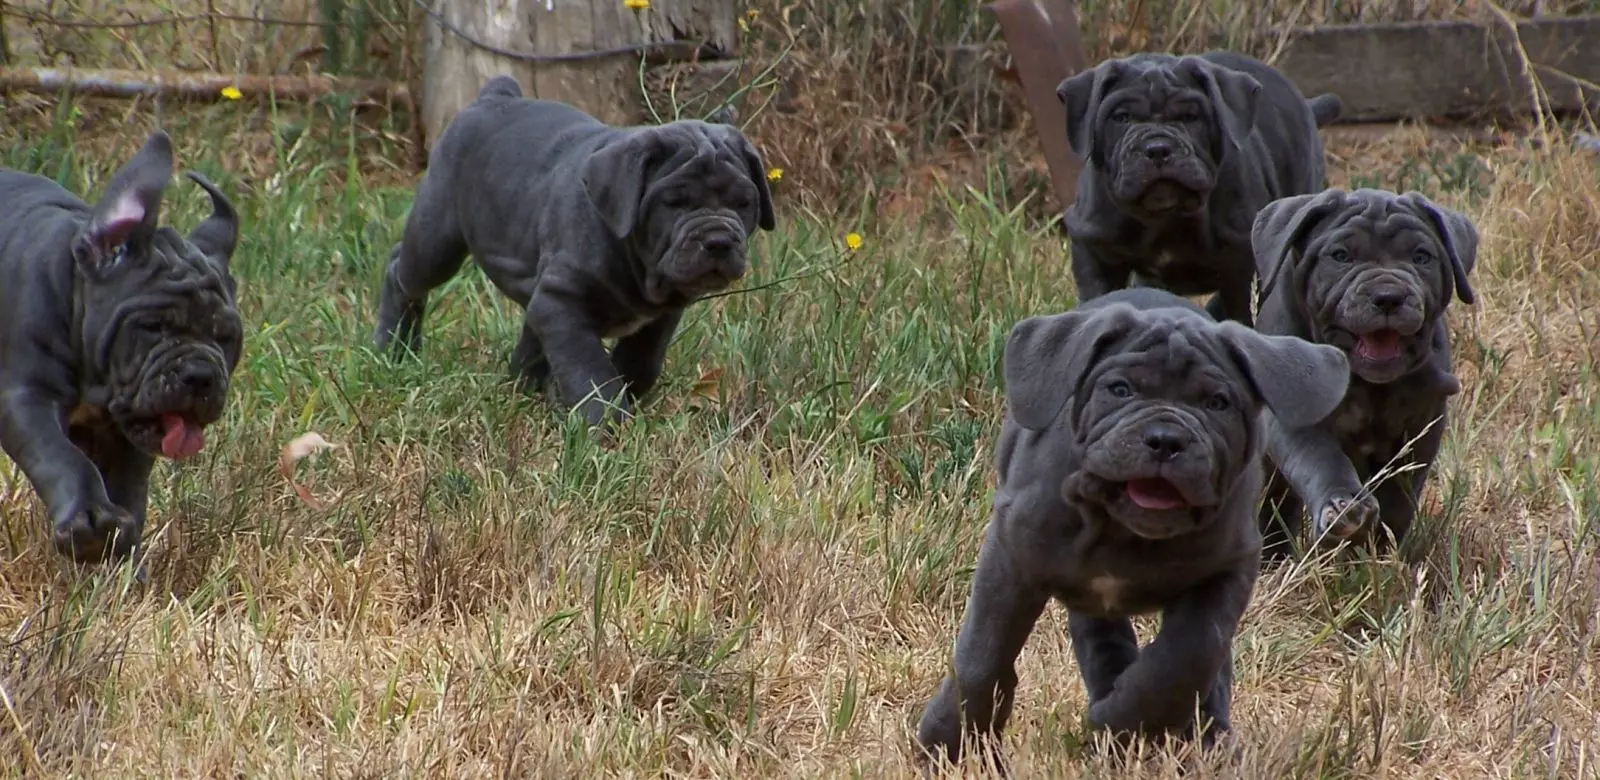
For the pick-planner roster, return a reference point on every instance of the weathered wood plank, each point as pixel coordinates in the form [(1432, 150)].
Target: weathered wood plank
[(1435, 70), (604, 86)]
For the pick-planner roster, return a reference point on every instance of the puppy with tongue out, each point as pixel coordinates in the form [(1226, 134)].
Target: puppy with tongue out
[(1129, 468), (118, 337), (1371, 272)]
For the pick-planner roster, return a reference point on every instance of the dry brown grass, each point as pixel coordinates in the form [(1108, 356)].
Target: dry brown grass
[(758, 582)]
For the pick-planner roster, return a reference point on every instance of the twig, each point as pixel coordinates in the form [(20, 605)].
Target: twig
[(194, 86), (55, 21)]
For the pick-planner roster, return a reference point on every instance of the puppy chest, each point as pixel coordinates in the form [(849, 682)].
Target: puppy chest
[(1111, 594)]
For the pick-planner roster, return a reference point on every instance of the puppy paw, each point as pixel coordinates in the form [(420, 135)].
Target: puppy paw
[(1344, 515), (98, 533)]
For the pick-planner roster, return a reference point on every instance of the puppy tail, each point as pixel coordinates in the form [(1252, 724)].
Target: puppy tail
[(501, 86), (1325, 108)]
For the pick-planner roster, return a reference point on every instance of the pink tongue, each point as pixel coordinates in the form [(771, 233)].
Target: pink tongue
[(1379, 345), (1155, 494), (181, 440)]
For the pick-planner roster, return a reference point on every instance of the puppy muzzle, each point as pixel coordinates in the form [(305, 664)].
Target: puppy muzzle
[(1155, 471), (165, 411), (1160, 172), (707, 254), (1384, 313)]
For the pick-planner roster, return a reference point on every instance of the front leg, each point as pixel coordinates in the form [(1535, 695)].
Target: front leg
[(1311, 461), (1093, 274), (1186, 662), (583, 372), (639, 357), (1232, 301), (1400, 495), (976, 701), (1104, 647), (82, 517)]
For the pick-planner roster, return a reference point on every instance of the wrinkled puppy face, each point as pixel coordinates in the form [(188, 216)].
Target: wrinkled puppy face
[(1163, 405), (161, 334), (687, 196), (1166, 430), (1159, 127), (1374, 272)]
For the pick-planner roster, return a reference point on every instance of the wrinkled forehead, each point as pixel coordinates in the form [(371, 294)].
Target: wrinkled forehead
[(1176, 347), (1156, 81), (703, 155), (1382, 216)]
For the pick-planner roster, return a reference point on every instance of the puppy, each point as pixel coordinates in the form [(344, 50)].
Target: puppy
[(118, 340), (1128, 477), (597, 232), (1180, 153), (1372, 273)]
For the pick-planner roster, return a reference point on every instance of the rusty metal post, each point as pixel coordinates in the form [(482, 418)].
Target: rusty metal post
[(1046, 47)]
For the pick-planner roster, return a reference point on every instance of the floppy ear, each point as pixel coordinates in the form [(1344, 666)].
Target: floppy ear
[(127, 213), (1301, 382), (758, 174), (1460, 239), (1081, 95), (1047, 356), (614, 178), (1234, 96), (1279, 227), (218, 235)]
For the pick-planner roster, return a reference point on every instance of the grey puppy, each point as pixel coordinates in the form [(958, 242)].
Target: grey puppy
[(1372, 273), (118, 339), (1180, 153), (596, 231), (1129, 470)]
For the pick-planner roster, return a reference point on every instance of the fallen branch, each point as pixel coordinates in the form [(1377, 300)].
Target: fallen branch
[(196, 85)]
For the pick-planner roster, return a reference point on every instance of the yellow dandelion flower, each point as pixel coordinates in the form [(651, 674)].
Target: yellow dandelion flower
[(637, 5), (752, 14), (776, 174), (853, 241), (232, 93)]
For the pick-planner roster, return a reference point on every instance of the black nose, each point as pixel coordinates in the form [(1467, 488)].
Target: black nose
[(1388, 301), (1158, 150), (718, 245), (1166, 442), (196, 380)]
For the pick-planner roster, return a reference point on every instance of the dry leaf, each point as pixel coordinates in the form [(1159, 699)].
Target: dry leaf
[(300, 448), (708, 385)]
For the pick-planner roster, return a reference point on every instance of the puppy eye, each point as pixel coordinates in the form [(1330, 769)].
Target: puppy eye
[(1120, 116), (1339, 256), (122, 254), (1120, 389), (1422, 257), (1218, 403)]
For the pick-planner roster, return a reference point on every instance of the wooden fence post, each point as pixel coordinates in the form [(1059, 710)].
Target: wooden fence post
[(582, 52)]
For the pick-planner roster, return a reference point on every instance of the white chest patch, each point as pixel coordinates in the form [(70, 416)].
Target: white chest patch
[(1108, 588)]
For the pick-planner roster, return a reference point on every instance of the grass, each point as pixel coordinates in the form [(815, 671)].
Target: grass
[(763, 577)]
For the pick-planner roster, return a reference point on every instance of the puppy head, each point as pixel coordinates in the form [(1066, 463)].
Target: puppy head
[(686, 195), (1370, 272), (160, 332), (1163, 405), (1161, 128)]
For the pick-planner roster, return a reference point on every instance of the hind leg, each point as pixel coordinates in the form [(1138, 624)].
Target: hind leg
[(430, 252)]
